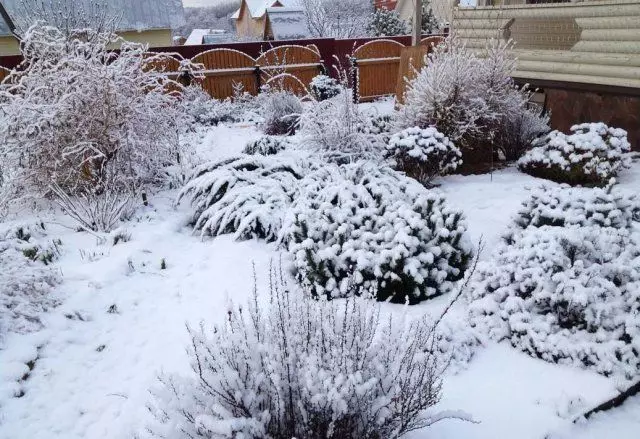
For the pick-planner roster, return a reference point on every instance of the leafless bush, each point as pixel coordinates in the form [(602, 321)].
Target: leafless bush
[(291, 366)]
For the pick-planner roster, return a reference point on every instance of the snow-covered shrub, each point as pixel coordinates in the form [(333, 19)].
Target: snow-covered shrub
[(470, 99), (386, 23), (367, 230), (200, 108), (423, 154), (324, 87), (27, 279), (332, 128), (591, 154), (516, 133), (288, 366), (569, 207), (76, 114), (377, 125), (281, 110), (568, 295), (247, 195), (266, 145)]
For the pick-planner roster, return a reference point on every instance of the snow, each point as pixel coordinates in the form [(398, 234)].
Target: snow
[(93, 368)]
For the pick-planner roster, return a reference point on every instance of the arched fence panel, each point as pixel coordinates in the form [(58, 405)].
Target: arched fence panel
[(225, 69), (284, 62), (377, 64), (4, 73)]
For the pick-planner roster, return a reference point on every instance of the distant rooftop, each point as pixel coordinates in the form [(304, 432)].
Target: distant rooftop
[(287, 23), (133, 14)]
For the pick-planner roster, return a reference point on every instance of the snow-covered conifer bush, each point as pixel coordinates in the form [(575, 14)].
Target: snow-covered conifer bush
[(247, 195), (324, 87), (568, 295), (333, 129), (281, 110), (377, 125), (423, 154), (570, 207), (27, 279), (267, 145), (79, 117), (365, 229), (471, 99), (591, 154), (386, 23), (288, 366)]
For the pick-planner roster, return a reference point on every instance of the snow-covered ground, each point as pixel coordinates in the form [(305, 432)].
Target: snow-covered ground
[(122, 322)]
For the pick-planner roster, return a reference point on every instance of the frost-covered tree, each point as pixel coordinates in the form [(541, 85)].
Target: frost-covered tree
[(386, 23), (337, 19), (469, 98), (288, 366), (83, 120)]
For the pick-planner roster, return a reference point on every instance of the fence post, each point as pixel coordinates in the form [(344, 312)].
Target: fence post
[(354, 79), (256, 72)]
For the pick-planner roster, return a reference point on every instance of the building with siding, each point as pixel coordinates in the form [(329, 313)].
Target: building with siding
[(144, 21)]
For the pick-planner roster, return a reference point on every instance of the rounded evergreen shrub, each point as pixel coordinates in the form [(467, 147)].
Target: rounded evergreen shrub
[(367, 230), (247, 196), (324, 87), (266, 145), (590, 155), (281, 111), (567, 295), (423, 154)]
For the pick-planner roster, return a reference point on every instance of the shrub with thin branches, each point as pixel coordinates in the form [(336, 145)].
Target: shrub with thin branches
[(289, 366), (281, 110), (267, 145)]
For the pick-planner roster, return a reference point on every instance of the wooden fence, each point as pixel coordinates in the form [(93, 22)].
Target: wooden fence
[(3, 73), (293, 64)]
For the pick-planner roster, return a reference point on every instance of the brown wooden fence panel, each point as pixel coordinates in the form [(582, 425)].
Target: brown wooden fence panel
[(279, 64), (3, 73), (223, 68), (378, 63)]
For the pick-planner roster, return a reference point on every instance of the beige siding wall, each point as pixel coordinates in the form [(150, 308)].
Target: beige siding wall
[(9, 46), (154, 38)]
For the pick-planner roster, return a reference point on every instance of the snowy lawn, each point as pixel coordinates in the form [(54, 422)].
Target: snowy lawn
[(122, 322)]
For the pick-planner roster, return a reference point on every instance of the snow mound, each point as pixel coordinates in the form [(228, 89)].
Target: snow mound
[(27, 279)]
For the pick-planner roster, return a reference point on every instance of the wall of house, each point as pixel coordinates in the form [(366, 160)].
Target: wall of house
[(442, 9), (154, 38), (9, 46)]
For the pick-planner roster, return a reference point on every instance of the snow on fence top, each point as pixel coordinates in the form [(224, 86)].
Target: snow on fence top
[(131, 15)]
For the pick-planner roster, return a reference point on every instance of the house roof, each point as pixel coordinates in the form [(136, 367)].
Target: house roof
[(287, 23), (133, 14), (257, 8)]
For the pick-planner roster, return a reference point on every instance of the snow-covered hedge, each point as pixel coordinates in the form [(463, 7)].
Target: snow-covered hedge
[(568, 295), (333, 129), (564, 285), (568, 207), (324, 87), (266, 145), (247, 196), (368, 230), (591, 154), (278, 368), (423, 154), (27, 278), (378, 125)]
